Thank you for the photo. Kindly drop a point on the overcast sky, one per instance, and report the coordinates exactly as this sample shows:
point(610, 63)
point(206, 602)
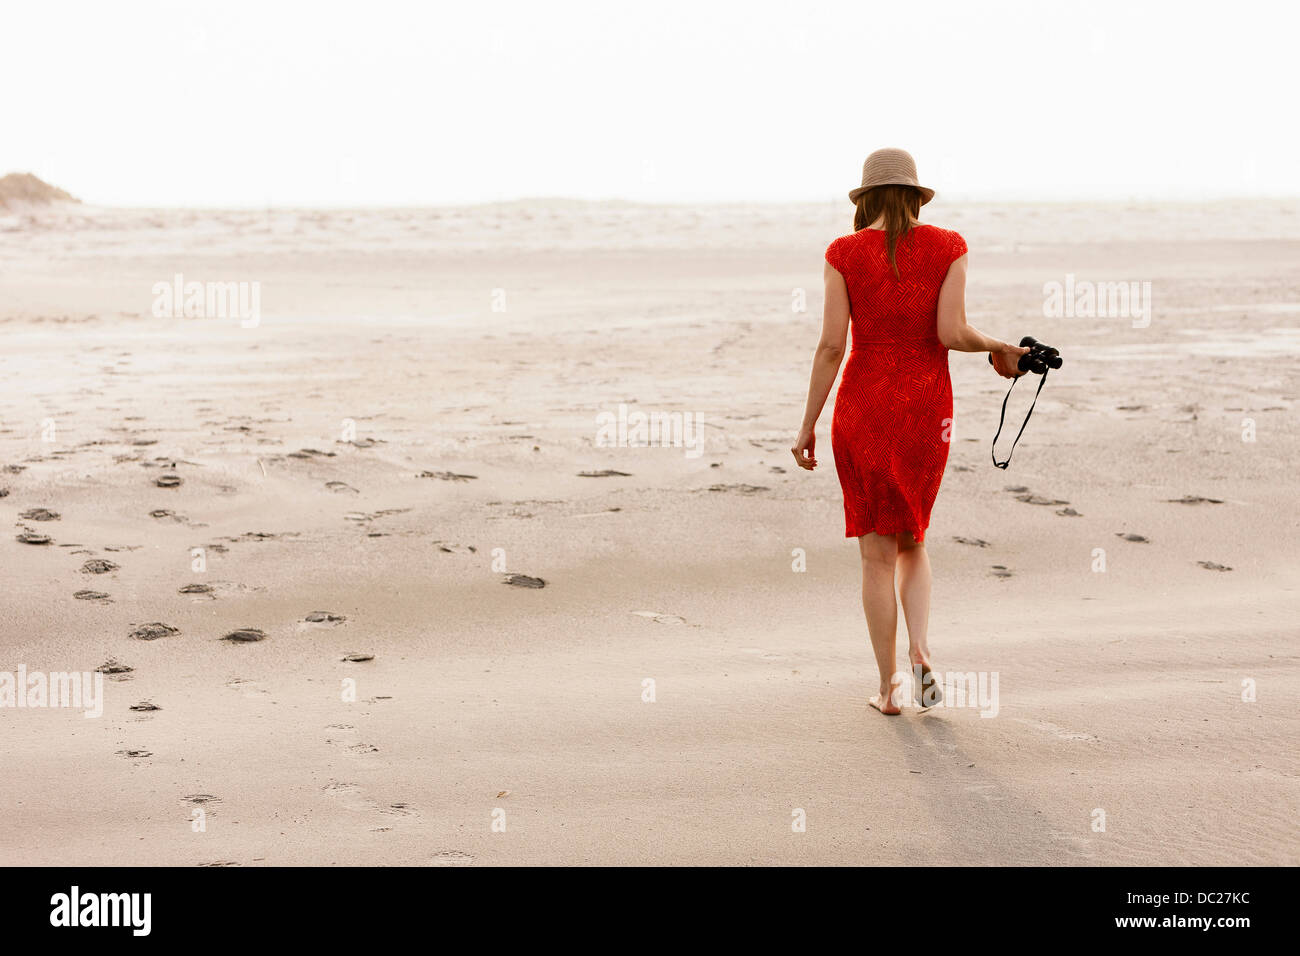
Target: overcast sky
point(235, 103)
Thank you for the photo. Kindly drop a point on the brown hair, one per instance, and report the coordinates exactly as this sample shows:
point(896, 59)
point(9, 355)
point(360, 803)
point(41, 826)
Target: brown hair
point(900, 206)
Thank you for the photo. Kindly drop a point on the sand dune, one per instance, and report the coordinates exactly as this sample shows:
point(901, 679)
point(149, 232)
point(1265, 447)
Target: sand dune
point(24, 189)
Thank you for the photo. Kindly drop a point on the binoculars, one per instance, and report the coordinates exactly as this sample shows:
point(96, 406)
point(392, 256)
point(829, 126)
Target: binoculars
point(1038, 359)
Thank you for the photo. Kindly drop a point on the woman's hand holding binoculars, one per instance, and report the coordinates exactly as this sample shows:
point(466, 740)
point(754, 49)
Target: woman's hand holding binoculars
point(1030, 355)
point(1006, 360)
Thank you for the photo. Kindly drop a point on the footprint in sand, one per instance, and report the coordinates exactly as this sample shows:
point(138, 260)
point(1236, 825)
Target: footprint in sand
point(1040, 500)
point(340, 789)
point(32, 537)
point(1000, 571)
point(257, 536)
point(739, 489)
point(145, 707)
point(356, 657)
point(595, 514)
point(350, 795)
point(168, 481)
point(114, 670)
point(221, 588)
point(1194, 500)
point(1069, 513)
point(346, 738)
point(524, 581)
point(659, 618)
point(363, 517)
point(134, 754)
point(98, 566)
point(358, 748)
point(245, 635)
point(341, 488)
point(1135, 538)
point(324, 617)
point(200, 589)
point(453, 548)
point(40, 514)
point(353, 798)
point(604, 473)
point(446, 476)
point(1212, 566)
point(207, 801)
point(1061, 732)
point(250, 688)
point(451, 858)
point(153, 631)
point(974, 542)
point(309, 453)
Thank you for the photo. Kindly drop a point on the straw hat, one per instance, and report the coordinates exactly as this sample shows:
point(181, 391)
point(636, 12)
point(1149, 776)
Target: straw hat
point(890, 167)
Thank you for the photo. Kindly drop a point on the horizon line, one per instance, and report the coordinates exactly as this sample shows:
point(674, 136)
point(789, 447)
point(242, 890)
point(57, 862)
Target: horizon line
point(961, 198)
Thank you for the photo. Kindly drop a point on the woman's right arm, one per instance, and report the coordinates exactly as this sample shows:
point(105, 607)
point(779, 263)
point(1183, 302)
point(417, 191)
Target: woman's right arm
point(826, 364)
point(956, 334)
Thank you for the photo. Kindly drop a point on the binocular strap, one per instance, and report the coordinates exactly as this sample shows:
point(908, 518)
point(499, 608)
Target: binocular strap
point(1002, 418)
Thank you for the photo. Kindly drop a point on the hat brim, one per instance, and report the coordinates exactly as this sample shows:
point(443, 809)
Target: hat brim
point(926, 194)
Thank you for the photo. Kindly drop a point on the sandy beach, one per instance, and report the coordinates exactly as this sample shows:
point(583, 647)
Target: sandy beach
point(407, 424)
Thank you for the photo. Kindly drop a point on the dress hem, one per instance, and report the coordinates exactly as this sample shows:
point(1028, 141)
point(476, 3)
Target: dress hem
point(918, 537)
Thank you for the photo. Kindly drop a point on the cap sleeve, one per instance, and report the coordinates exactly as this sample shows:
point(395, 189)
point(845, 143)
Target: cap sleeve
point(835, 255)
point(956, 247)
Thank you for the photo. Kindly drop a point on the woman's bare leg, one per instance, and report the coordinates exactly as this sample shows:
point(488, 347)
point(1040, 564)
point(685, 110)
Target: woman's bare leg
point(879, 553)
point(914, 593)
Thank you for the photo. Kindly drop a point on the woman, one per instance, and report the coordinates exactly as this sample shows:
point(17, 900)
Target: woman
point(902, 284)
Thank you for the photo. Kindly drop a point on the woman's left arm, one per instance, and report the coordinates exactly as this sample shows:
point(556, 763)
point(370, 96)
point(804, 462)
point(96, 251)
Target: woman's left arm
point(826, 365)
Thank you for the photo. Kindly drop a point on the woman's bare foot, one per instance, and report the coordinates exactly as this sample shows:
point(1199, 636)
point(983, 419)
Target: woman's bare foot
point(887, 701)
point(925, 688)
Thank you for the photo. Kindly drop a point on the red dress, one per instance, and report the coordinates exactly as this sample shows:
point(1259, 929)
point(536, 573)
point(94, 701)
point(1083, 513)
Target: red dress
point(893, 412)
